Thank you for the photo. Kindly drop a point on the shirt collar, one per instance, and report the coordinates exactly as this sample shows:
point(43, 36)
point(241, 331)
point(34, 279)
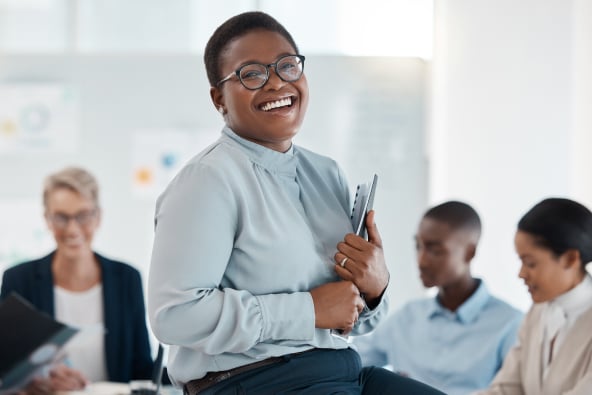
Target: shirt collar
point(577, 299)
point(469, 310)
point(274, 161)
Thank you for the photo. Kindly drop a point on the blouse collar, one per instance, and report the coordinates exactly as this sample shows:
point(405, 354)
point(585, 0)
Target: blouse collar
point(274, 161)
point(577, 299)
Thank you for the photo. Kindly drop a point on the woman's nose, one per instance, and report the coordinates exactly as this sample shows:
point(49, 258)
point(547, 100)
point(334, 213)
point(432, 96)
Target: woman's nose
point(274, 81)
point(522, 273)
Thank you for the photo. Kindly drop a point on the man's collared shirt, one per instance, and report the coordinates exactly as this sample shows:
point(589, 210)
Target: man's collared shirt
point(456, 352)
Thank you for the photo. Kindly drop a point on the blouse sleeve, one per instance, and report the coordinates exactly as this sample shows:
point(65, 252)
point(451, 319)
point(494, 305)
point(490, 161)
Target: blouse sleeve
point(196, 222)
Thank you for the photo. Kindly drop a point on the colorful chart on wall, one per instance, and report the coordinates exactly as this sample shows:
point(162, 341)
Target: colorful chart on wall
point(38, 117)
point(158, 155)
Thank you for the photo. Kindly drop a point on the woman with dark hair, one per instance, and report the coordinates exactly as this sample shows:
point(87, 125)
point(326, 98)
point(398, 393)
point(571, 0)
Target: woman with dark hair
point(254, 267)
point(554, 351)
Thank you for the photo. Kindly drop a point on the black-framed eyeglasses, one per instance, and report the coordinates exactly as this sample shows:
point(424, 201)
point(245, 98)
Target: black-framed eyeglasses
point(82, 218)
point(254, 75)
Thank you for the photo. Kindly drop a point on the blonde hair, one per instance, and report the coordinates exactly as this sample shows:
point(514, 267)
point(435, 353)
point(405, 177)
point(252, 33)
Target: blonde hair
point(75, 179)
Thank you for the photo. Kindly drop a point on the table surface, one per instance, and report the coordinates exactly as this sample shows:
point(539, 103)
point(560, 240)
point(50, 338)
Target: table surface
point(111, 388)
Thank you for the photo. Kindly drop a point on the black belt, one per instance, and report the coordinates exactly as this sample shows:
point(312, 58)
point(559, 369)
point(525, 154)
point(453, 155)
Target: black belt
point(194, 387)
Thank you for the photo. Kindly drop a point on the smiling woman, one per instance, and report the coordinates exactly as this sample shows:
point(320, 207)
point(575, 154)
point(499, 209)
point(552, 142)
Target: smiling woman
point(245, 282)
point(272, 116)
point(101, 297)
point(554, 351)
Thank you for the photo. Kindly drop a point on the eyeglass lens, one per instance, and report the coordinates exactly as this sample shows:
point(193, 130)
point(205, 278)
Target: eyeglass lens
point(82, 218)
point(288, 68)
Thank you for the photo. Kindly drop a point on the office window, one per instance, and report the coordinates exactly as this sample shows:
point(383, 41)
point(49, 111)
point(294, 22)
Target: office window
point(133, 25)
point(356, 28)
point(335, 27)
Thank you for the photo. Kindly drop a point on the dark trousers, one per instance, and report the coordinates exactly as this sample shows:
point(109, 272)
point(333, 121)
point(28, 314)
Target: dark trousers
point(320, 372)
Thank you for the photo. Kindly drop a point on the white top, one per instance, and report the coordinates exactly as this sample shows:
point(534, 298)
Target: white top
point(84, 311)
point(560, 314)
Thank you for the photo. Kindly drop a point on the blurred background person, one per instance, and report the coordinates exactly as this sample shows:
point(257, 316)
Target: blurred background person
point(554, 351)
point(101, 297)
point(457, 340)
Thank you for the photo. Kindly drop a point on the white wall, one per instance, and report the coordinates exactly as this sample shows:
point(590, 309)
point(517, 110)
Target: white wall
point(581, 183)
point(510, 120)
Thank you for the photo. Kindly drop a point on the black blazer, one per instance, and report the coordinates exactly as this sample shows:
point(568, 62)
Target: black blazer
point(127, 348)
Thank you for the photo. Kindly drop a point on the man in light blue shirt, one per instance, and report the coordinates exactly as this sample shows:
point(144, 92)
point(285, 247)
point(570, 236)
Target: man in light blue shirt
point(456, 341)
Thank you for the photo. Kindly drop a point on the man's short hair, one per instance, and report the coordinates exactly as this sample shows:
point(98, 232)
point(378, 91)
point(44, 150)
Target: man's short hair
point(457, 215)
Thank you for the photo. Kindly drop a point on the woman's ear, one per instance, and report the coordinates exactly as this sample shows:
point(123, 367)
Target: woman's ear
point(218, 100)
point(571, 259)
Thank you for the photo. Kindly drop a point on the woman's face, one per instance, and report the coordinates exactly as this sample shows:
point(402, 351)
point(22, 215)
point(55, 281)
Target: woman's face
point(244, 108)
point(546, 275)
point(73, 219)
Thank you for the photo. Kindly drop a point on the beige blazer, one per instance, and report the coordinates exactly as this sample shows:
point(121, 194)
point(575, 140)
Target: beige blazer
point(570, 371)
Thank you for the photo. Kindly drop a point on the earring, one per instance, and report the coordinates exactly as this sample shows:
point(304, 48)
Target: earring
point(221, 110)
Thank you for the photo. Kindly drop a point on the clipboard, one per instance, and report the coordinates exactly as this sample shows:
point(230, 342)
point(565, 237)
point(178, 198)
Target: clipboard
point(29, 341)
point(363, 202)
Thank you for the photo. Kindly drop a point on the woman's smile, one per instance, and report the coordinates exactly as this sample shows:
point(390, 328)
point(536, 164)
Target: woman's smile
point(272, 114)
point(278, 104)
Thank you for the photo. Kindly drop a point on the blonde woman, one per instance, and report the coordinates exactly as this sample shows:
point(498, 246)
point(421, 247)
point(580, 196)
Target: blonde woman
point(77, 286)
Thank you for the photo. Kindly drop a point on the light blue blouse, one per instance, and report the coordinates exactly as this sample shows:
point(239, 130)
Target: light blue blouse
point(456, 352)
point(242, 234)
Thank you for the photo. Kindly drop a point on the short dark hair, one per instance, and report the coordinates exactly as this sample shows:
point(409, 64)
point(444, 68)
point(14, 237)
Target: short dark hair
point(559, 225)
point(457, 215)
point(234, 28)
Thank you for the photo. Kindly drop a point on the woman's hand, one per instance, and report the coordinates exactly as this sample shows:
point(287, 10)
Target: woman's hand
point(365, 265)
point(64, 378)
point(337, 305)
point(61, 378)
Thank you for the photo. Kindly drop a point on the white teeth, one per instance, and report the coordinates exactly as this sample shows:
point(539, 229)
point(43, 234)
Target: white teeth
point(278, 103)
